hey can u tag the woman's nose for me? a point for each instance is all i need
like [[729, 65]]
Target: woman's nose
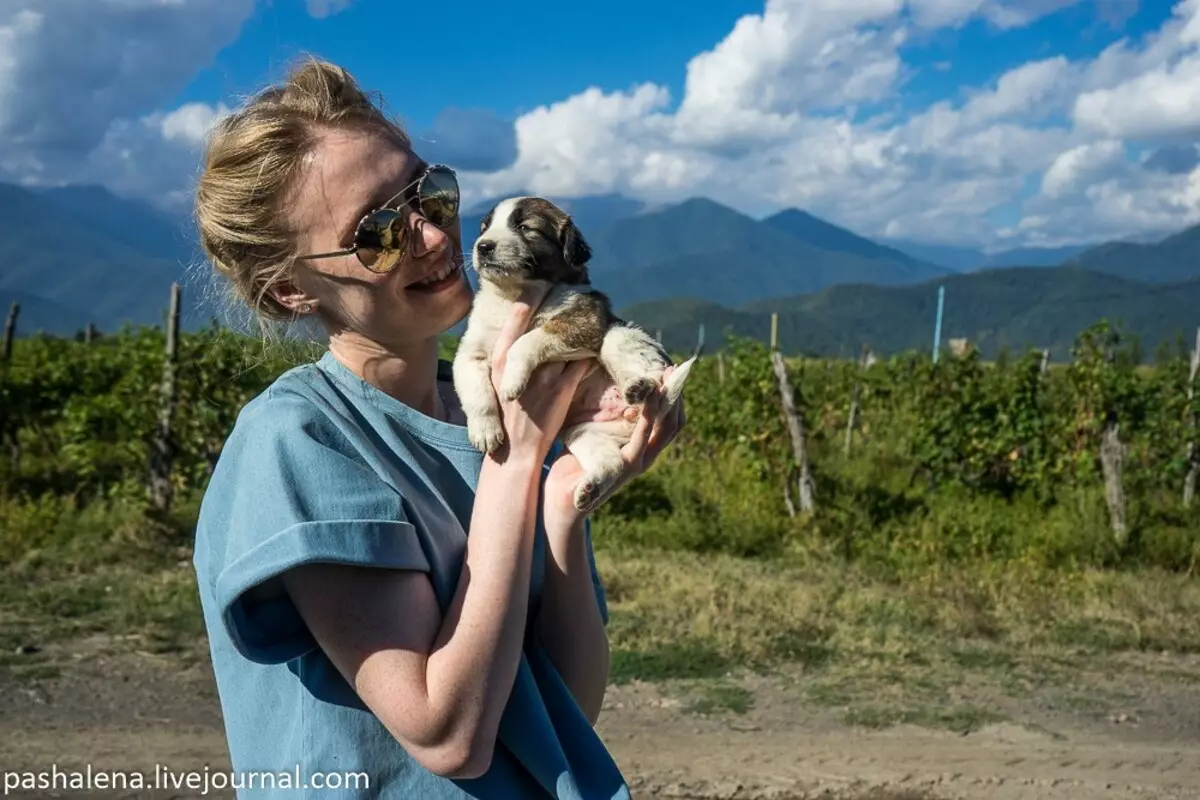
[[427, 237]]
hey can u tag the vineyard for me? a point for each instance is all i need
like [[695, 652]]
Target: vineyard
[[942, 463], [830, 545]]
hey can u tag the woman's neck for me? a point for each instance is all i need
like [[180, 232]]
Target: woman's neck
[[408, 374]]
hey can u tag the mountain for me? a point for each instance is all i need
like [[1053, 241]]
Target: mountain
[[819, 233], [66, 271], [1015, 308], [700, 248], [130, 222], [1175, 258], [969, 259], [73, 255], [1031, 256], [590, 212]]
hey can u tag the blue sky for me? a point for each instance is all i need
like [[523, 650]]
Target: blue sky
[[989, 122]]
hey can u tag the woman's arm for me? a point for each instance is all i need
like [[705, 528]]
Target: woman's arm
[[569, 621], [439, 685]]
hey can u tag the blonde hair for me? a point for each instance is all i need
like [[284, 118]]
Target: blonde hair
[[253, 159]]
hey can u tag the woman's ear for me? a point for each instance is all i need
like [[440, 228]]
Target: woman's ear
[[292, 297]]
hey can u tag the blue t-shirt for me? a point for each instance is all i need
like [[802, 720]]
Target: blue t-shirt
[[322, 466]]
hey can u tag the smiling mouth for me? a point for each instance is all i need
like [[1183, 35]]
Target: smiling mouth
[[443, 278]]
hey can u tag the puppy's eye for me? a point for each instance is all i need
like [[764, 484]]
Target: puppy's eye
[[525, 227]]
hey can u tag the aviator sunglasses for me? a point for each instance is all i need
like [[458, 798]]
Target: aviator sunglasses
[[381, 238]]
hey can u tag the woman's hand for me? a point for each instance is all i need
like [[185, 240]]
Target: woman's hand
[[654, 431], [533, 420]]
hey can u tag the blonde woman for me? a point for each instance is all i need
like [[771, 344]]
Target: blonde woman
[[381, 599]]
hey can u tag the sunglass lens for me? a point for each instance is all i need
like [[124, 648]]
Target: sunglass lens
[[381, 239], [439, 196]]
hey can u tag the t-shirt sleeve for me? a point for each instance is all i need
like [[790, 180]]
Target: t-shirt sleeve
[[289, 490]]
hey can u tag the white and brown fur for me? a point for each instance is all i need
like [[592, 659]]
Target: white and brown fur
[[525, 240]]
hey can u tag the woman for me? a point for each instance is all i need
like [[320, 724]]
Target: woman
[[382, 600]]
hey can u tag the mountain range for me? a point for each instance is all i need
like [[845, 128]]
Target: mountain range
[[79, 254]]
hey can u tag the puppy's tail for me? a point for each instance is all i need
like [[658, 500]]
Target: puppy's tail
[[676, 380]]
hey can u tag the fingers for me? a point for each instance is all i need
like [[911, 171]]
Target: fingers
[[516, 325], [667, 428], [635, 449]]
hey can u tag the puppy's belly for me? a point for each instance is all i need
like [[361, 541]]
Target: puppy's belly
[[597, 390]]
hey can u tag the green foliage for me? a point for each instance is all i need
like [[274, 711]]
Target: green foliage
[[954, 462]]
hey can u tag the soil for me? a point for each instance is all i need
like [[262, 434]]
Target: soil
[[1129, 731]]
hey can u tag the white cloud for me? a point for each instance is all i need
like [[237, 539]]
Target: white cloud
[[1080, 166], [1002, 14], [1162, 102], [770, 118], [327, 8], [800, 105], [153, 157], [190, 123], [82, 83], [71, 67]]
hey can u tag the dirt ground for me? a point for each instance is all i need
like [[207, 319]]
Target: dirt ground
[[1121, 733]]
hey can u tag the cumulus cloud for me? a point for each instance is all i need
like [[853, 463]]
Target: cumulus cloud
[[84, 85], [68, 68], [1000, 13], [796, 106], [153, 157], [771, 116]]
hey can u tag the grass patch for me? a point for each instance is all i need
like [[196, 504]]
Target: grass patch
[[878, 646], [718, 698], [880, 649], [674, 661], [960, 719]]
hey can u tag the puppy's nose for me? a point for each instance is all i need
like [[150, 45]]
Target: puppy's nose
[[486, 246]]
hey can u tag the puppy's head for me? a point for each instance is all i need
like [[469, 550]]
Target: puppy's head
[[530, 238]]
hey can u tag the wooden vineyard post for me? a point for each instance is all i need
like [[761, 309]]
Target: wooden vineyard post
[[852, 417], [10, 333], [774, 330], [10, 329], [89, 333], [795, 426], [161, 449], [720, 366], [1112, 461], [1193, 448], [1045, 360]]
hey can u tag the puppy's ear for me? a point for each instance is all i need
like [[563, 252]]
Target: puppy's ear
[[576, 251]]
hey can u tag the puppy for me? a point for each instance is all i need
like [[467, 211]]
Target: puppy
[[526, 240]]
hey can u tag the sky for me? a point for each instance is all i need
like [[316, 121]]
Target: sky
[[993, 123]]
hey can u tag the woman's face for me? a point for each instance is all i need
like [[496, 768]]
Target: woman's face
[[348, 175]]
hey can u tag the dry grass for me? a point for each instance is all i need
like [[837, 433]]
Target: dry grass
[[883, 652]]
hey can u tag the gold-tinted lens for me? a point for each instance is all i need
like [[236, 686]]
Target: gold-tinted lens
[[439, 196], [381, 240]]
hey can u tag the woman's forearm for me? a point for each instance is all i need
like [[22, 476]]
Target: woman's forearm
[[569, 621], [473, 662]]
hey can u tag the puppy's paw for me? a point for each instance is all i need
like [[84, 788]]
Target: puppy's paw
[[637, 390], [511, 386], [586, 495], [486, 432]]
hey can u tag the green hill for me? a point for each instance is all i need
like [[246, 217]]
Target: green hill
[[1175, 258], [1013, 308]]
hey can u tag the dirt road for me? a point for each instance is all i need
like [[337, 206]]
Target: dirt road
[[1125, 736]]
